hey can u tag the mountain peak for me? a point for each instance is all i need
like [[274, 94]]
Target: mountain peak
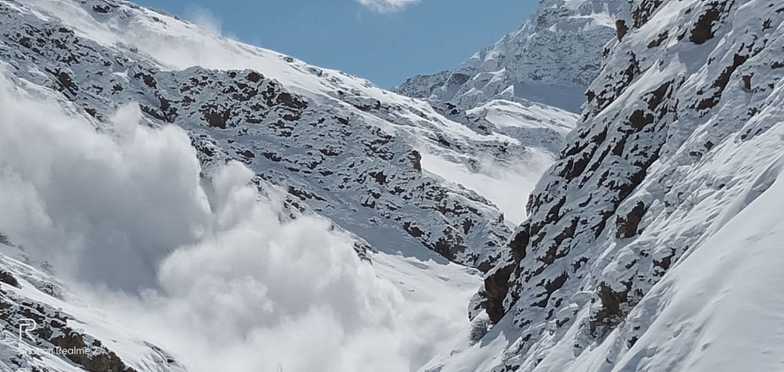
[[551, 59]]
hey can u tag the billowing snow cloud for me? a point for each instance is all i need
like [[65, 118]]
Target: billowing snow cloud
[[386, 6], [99, 208], [229, 285]]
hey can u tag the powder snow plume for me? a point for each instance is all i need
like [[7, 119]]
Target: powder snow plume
[[203, 267]]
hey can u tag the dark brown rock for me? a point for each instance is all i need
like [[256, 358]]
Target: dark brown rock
[[628, 225], [495, 290], [9, 279], [621, 29], [703, 28]]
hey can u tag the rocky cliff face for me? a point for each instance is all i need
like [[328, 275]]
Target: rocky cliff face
[[679, 138], [551, 59]]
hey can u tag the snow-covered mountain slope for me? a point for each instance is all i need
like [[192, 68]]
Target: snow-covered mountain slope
[[651, 243], [236, 279], [540, 128], [526, 86], [551, 59], [64, 335], [346, 149], [535, 125]]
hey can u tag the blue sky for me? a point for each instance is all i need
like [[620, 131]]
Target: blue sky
[[381, 40]]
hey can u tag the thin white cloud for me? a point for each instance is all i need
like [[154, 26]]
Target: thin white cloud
[[387, 6], [204, 18]]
